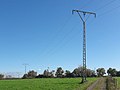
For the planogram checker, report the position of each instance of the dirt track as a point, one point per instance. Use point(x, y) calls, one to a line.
point(100, 84)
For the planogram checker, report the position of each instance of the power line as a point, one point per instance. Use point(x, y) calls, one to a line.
point(109, 11)
point(59, 44)
point(57, 34)
point(65, 36)
point(107, 4)
point(62, 28)
point(87, 3)
point(106, 12)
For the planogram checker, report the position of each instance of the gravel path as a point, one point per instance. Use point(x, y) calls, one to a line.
point(100, 84)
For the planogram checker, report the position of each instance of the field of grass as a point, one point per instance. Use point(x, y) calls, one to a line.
point(118, 82)
point(45, 84)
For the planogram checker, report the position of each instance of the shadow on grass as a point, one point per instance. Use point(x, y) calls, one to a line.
point(83, 82)
point(72, 82)
point(67, 83)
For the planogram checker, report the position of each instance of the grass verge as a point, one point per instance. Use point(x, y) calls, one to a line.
point(46, 84)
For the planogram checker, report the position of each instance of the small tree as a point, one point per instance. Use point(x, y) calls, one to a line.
point(100, 71)
point(77, 72)
point(1, 76)
point(118, 73)
point(68, 74)
point(32, 74)
point(25, 76)
point(89, 72)
point(59, 72)
point(45, 73)
point(112, 72)
point(48, 74)
point(109, 71)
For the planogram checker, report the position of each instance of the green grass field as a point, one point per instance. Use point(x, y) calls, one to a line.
point(118, 82)
point(45, 84)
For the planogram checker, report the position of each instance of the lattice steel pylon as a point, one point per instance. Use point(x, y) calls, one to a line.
point(84, 40)
point(25, 67)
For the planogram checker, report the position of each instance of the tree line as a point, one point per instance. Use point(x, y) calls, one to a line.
point(77, 72)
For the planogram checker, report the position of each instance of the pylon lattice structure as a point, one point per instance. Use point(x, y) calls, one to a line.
point(84, 40)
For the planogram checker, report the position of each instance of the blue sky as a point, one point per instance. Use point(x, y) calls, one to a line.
point(44, 33)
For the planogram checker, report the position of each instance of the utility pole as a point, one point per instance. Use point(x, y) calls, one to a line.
point(25, 67)
point(84, 40)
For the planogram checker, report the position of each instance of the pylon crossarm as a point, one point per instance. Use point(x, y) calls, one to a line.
point(84, 12)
